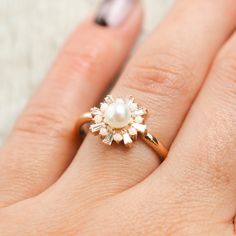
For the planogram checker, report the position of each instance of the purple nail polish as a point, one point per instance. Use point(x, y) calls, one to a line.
point(114, 12)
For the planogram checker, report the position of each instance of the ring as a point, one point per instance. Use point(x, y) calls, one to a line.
point(120, 120)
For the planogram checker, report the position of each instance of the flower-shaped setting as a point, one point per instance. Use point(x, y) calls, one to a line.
point(118, 119)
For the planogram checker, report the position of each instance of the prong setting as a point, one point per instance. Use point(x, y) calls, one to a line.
point(118, 120)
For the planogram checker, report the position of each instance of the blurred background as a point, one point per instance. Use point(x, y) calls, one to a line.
point(31, 33)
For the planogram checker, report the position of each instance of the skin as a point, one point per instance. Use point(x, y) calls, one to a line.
point(184, 73)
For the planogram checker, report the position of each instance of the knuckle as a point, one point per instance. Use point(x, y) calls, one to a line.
point(165, 75)
point(86, 62)
point(44, 120)
point(82, 63)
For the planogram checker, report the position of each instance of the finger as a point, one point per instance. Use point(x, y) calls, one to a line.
point(43, 141)
point(203, 158)
point(164, 76)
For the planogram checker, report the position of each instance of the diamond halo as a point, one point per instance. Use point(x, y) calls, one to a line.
point(118, 120)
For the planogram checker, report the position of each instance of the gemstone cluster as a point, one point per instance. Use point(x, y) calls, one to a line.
point(118, 119)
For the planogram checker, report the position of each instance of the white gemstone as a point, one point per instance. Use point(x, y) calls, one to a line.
point(103, 132)
point(104, 107)
point(130, 100)
point(96, 111)
point(139, 119)
point(132, 131)
point(96, 127)
point(133, 106)
point(118, 137)
point(140, 127)
point(127, 139)
point(109, 99)
point(98, 119)
point(108, 139)
point(117, 115)
point(140, 112)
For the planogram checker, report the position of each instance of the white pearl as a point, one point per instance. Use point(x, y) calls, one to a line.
point(132, 131)
point(103, 132)
point(118, 137)
point(117, 115)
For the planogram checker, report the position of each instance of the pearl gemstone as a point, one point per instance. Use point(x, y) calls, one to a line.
point(117, 115)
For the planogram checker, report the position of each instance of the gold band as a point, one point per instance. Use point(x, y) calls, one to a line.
point(152, 141)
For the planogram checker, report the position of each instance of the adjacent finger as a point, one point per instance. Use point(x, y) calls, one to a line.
point(203, 159)
point(43, 141)
point(164, 76)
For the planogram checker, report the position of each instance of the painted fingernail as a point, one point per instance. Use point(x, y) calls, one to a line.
point(114, 12)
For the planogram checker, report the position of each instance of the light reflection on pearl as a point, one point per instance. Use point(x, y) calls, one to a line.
point(117, 115)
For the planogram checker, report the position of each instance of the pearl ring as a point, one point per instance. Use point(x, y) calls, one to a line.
point(120, 120)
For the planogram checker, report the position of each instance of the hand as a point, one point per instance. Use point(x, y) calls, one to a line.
point(184, 73)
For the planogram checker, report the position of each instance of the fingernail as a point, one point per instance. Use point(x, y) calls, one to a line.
point(114, 12)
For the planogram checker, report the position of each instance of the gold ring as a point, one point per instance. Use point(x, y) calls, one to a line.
point(120, 120)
